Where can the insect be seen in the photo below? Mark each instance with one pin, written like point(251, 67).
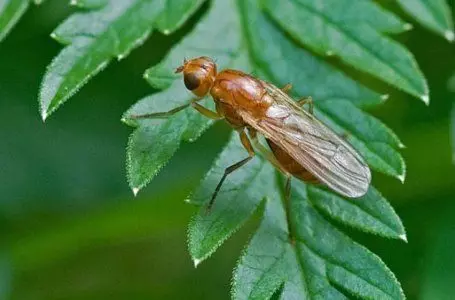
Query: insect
point(299, 144)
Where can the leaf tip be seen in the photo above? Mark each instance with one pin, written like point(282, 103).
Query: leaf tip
point(44, 115)
point(426, 99)
point(166, 32)
point(408, 26)
point(196, 262)
point(449, 35)
point(401, 145)
point(54, 36)
point(73, 2)
point(135, 191)
point(403, 237)
point(385, 97)
point(401, 177)
point(128, 121)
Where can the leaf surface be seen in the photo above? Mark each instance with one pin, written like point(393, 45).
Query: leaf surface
point(93, 37)
point(433, 14)
point(145, 157)
point(10, 13)
point(320, 263)
point(176, 13)
point(142, 153)
point(332, 27)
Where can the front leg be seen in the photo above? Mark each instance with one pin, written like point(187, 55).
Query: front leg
point(306, 100)
point(163, 115)
point(206, 112)
point(286, 88)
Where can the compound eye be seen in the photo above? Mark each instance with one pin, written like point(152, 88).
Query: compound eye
point(191, 80)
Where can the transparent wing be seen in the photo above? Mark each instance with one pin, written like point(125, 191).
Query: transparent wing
point(312, 144)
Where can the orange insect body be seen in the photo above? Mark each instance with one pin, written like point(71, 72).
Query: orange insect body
point(290, 164)
point(300, 145)
point(234, 90)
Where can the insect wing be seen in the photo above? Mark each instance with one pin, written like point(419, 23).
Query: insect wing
point(312, 144)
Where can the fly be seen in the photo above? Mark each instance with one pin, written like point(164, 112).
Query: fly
point(300, 145)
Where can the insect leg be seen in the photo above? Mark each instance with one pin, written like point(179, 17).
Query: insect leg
point(165, 114)
point(267, 154)
point(206, 112)
point(247, 144)
point(345, 136)
point(287, 190)
point(306, 100)
point(286, 88)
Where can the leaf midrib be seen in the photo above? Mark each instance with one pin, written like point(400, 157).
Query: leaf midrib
point(301, 265)
point(265, 271)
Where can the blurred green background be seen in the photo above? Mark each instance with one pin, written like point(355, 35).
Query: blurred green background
point(71, 228)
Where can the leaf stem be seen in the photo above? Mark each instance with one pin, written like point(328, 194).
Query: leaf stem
point(287, 208)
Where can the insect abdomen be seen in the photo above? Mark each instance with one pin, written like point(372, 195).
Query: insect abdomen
point(291, 165)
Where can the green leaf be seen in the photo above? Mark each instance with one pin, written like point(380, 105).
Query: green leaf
point(371, 213)
point(347, 264)
point(265, 264)
point(176, 13)
point(235, 202)
point(285, 62)
point(200, 42)
point(318, 262)
point(145, 157)
point(10, 13)
point(271, 264)
point(375, 141)
point(89, 4)
point(93, 39)
point(332, 27)
point(433, 14)
point(96, 36)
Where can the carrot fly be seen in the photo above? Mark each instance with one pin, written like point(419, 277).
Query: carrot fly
point(300, 145)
